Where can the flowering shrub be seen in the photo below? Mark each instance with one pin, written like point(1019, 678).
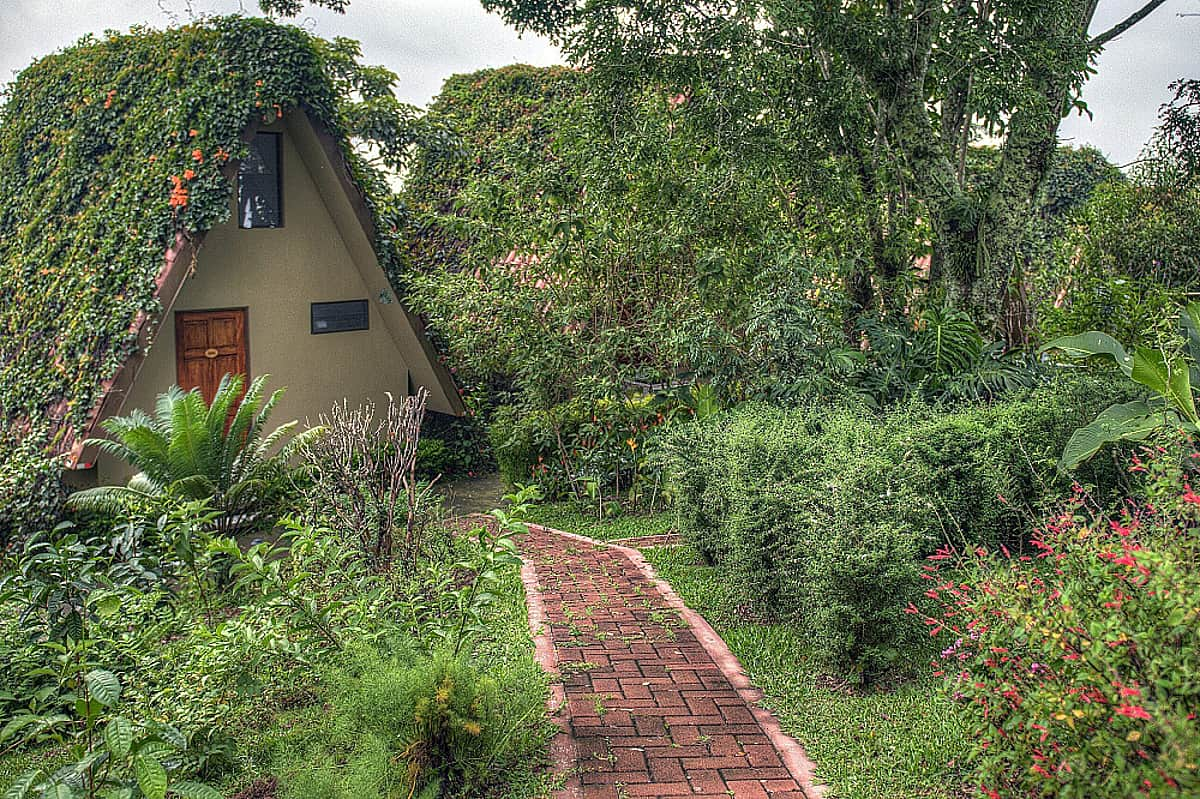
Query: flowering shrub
point(1077, 664)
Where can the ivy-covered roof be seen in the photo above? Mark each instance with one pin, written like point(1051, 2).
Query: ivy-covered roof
point(111, 152)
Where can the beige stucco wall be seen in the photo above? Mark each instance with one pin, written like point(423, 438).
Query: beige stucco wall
point(276, 274)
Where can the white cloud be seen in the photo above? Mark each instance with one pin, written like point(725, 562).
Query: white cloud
point(422, 41)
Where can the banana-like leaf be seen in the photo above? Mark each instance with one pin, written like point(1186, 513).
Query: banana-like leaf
point(1130, 421)
point(1189, 320)
point(1092, 343)
point(1170, 378)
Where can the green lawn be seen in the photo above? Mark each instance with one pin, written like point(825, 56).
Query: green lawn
point(904, 742)
point(572, 518)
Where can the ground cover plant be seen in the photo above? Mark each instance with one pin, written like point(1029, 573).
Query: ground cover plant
point(150, 654)
point(582, 519)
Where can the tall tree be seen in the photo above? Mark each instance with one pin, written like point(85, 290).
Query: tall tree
point(900, 88)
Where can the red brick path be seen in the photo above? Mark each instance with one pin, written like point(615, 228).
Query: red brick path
point(655, 705)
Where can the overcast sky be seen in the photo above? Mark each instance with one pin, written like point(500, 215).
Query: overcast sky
point(425, 41)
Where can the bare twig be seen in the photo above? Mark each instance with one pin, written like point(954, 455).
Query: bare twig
point(366, 469)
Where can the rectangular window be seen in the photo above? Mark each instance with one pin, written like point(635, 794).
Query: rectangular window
point(339, 317)
point(260, 183)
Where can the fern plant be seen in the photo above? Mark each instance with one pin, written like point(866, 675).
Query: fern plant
point(189, 450)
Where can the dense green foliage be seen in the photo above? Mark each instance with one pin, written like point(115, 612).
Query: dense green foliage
point(112, 151)
point(1125, 261)
point(1075, 670)
point(819, 513)
point(544, 286)
point(153, 654)
point(891, 95)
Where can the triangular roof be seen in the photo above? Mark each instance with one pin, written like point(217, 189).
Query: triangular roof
point(116, 157)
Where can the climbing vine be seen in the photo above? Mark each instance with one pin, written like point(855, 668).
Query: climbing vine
point(109, 151)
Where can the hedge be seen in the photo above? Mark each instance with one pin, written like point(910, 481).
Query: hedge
point(819, 514)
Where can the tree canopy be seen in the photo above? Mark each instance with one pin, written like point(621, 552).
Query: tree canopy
point(900, 91)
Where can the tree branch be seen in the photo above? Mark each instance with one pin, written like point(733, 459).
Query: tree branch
point(1127, 23)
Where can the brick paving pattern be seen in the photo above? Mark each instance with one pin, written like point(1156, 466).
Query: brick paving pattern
point(650, 711)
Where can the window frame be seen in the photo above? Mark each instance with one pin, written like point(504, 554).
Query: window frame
point(278, 184)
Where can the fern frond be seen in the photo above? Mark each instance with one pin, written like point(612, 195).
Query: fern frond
point(109, 499)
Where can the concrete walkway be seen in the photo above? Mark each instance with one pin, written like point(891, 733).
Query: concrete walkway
point(651, 701)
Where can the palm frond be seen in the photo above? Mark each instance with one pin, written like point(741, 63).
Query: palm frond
point(236, 438)
point(269, 442)
point(218, 411)
point(190, 448)
point(164, 410)
point(111, 447)
point(109, 499)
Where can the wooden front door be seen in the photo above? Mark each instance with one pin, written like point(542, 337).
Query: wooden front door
point(208, 345)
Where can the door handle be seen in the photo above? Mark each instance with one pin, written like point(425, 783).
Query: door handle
point(211, 353)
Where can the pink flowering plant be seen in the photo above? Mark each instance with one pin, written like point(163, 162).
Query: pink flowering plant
point(1077, 663)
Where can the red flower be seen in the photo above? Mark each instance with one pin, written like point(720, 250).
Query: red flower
point(1189, 495)
point(1133, 712)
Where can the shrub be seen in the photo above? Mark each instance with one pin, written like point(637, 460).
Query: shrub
point(859, 587)
point(365, 478)
point(452, 447)
point(405, 725)
point(1075, 669)
point(588, 449)
point(793, 504)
